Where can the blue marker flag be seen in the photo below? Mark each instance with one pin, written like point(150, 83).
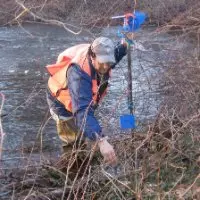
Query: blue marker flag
point(132, 22)
point(139, 20)
point(127, 121)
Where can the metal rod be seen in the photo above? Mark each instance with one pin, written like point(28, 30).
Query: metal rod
point(118, 17)
point(130, 95)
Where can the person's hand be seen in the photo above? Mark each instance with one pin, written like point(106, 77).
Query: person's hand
point(107, 151)
point(128, 39)
point(129, 35)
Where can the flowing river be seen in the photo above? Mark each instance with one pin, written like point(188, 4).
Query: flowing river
point(30, 135)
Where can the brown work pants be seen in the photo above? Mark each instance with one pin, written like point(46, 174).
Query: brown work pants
point(69, 134)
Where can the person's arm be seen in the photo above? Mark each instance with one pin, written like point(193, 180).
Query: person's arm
point(120, 52)
point(80, 88)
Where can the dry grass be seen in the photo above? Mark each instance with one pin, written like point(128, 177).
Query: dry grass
point(89, 13)
point(165, 168)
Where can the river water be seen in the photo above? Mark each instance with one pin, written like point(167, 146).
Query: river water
point(23, 54)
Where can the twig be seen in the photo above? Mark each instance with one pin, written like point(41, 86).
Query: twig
point(86, 185)
point(55, 22)
point(111, 178)
point(188, 189)
point(180, 178)
point(2, 134)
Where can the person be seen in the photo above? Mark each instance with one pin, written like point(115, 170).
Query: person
point(78, 82)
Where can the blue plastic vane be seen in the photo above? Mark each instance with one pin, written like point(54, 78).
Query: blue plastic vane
point(131, 23)
point(127, 121)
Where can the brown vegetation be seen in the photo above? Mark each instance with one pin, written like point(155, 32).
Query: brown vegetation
point(164, 162)
point(85, 13)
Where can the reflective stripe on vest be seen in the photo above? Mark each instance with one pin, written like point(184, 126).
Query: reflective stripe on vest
point(58, 82)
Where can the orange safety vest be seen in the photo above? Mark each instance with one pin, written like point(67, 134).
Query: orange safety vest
point(57, 82)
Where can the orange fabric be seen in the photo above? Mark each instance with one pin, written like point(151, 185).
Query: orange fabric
point(57, 82)
point(127, 15)
point(52, 69)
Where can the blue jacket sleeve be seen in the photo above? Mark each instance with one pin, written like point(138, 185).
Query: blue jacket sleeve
point(80, 88)
point(120, 52)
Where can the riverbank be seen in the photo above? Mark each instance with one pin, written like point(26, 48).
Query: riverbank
point(89, 13)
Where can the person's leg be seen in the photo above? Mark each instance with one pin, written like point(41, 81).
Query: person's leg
point(74, 151)
point(68, 133)
point(66, 127)
point(67, 130)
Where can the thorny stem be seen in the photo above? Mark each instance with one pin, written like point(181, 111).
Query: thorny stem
point(1, 126)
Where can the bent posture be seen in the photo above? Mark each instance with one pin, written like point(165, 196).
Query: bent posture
point(78, 82)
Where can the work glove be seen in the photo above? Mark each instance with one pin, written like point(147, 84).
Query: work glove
point(107, 151)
